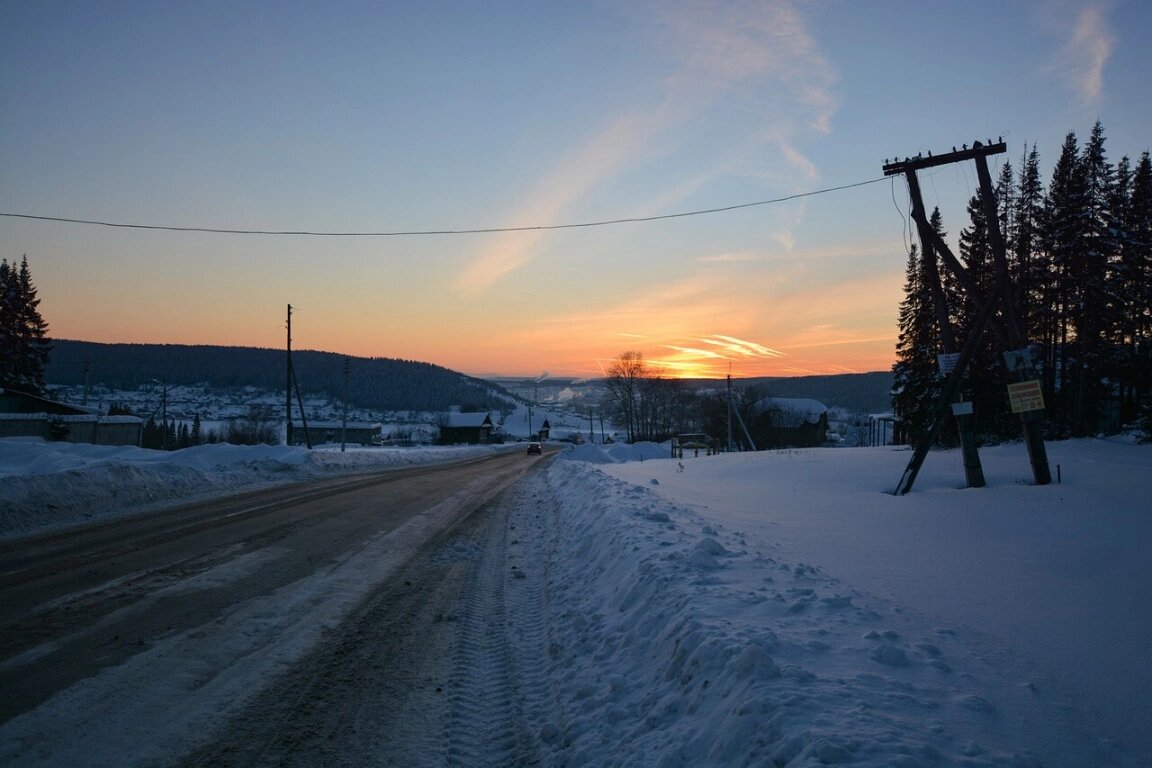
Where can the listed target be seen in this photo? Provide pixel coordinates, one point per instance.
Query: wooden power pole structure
(290, 385)
(997, 311)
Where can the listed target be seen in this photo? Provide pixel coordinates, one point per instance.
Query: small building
(327, 432)
(470, 428)
(785, 422)
(25, 415)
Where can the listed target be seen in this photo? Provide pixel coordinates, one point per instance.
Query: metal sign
(947, 362)
(1026, 396)
(1020, 359)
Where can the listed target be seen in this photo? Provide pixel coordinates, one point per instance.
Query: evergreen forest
(1079, 254)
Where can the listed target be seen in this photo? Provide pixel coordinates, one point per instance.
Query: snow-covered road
(783, 608)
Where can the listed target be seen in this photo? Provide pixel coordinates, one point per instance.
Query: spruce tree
(987, 377)
(24, 344)
(916, 385)
(1063, 245)
(1093, 306)
(1025, 255)
(1134, 291)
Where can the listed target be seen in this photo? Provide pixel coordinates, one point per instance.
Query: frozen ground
(781, 608)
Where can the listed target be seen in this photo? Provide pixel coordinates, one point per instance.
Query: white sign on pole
(947, 362)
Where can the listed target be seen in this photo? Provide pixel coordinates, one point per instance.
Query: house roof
(28, 403)
(796, 410)
(465, 420)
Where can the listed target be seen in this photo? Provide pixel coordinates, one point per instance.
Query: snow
(56, 485)
(737, 609)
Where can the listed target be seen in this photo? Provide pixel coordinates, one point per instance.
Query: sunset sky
(415, 117)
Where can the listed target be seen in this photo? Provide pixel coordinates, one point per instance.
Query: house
(785, 422)
(472, 428)
(354, 433)
(25, 415)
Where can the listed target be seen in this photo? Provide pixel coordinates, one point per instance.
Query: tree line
(649, 406)
(1079, 253)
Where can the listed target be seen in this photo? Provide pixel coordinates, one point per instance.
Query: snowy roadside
(46, 485)
(785, 608)
(720, 614)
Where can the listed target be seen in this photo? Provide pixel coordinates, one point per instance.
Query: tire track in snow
(487, 722)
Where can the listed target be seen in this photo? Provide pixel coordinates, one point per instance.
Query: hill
(377, 383)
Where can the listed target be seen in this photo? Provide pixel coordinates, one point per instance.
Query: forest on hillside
(377, 383)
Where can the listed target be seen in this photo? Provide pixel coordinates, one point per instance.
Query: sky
(402, 119)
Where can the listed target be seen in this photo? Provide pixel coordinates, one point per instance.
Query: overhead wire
(426, 232)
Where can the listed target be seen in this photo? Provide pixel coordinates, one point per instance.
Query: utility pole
(961, 410)
(729, 408)
(344, 422)
(1001, 298)
(288, 386)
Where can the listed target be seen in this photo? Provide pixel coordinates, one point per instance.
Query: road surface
(353, 621)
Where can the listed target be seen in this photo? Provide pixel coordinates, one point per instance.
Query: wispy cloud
(600, 157)
(757, 54)
(741, 348)
(1088, 46)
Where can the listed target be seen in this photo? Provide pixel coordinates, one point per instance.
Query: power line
(417, 233)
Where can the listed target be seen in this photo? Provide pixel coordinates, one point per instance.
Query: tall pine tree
(24, 343)
(1063, 244)
(916, 385)
(987, 377)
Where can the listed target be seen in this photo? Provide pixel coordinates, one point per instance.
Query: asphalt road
(77, 605)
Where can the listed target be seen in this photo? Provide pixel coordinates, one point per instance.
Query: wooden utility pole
(961, 409)
(1001, 300)
(344, 421)
(288, 386)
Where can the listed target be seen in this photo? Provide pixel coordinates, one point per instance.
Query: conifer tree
(1025, 262)
(24, 343)
(987, 376)
(1091, 304)
(1133, 290)
(1063, 245)
(916, 385)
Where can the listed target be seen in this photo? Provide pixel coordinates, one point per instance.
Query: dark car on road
(535, 448)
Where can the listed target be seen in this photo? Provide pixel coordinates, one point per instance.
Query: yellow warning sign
(1026, 396)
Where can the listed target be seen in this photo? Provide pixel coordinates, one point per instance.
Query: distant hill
(378, 383)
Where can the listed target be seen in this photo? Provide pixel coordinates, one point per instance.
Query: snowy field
(779, 608)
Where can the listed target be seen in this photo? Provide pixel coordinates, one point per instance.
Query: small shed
(785, 422)
(25, 415)
(471, 428)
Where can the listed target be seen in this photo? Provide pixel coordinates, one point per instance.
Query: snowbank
(54, 485)
(784, 606)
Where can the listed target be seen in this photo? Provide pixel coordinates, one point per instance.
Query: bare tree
(643, 399)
